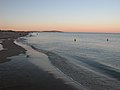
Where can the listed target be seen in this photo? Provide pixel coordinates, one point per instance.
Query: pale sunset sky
(63, 15)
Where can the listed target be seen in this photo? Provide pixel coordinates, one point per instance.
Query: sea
(90, 59)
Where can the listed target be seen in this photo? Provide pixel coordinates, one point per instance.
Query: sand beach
(26, 64)
(18, 73)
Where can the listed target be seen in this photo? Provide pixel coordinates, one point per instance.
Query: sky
(63, 15)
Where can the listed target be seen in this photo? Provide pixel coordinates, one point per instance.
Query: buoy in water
(74, 40)
(107, 39)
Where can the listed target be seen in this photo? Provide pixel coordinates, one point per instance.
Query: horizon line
(57, 31)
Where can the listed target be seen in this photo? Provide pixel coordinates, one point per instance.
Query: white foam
(1, 47)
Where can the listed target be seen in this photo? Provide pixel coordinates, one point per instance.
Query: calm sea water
(90, 51)
(92, 46)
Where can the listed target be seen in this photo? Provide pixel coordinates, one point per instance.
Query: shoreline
(9, 47)
(18, 73)
(86, 78)
(35, 72)
(45, 65)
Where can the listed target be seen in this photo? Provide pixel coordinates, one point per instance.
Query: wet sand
(10, 49)
(18, 73)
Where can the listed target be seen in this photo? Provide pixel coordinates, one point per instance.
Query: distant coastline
(52, 31)
(57, 31)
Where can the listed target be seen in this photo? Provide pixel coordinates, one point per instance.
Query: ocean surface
(91, 60)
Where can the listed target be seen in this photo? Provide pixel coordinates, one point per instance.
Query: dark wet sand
(26, 76)
(10, 49)
(21, 74)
